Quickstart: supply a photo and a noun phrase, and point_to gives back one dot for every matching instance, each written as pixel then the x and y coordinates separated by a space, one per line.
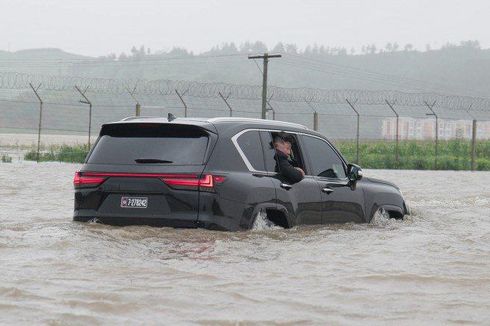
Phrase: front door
pixel 303 200
pixel 342 203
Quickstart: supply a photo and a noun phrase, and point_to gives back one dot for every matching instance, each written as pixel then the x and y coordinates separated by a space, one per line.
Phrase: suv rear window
pixel 150 143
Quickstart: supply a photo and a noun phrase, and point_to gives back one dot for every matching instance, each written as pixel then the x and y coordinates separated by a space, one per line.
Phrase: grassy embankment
pixel 418 155
pixel 60 153
pixel 6 159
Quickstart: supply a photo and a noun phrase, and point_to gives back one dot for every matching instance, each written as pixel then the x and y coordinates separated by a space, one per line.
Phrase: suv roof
pixel 214 121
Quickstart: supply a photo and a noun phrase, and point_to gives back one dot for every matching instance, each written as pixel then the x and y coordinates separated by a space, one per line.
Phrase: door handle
pixel 286 186
pixel 327 190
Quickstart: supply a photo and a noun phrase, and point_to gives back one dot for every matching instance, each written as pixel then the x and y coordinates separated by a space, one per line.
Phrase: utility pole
pixel 266 57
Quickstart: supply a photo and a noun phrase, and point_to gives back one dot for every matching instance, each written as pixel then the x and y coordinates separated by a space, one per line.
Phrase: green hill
pixel 454 69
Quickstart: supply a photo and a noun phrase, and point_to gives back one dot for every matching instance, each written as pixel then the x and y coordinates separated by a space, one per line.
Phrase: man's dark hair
pixel 282 137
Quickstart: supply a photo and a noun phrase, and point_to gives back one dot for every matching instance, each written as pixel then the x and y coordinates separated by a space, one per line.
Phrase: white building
pixel 420 129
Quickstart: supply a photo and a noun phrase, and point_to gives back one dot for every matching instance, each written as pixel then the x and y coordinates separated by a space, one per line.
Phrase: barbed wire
pixel 20 82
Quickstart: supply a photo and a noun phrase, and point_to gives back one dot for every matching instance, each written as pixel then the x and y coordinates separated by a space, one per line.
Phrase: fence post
pixel 357 132
pixel 431 106
pixel 40 119
pixel 226 102
pixel 473 138
pixel 473 146
pixel 138 106
pixel 271 109
pixel 315 115
pixel 182 100
pixel 86 101
pixel 397 155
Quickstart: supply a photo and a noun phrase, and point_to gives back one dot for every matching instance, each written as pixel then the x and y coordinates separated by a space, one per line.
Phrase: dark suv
pixel 219 174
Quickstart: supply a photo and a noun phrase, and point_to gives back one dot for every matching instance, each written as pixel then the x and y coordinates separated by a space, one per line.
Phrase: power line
pixel 343 75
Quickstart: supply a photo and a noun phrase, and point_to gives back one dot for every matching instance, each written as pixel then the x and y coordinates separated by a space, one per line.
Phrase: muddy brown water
pixel 432 268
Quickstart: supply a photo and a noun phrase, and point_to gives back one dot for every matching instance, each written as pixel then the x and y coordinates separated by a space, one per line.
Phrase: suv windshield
pixel 150 144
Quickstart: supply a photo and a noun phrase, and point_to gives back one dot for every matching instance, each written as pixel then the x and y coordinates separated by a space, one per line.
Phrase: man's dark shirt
pixel 286 169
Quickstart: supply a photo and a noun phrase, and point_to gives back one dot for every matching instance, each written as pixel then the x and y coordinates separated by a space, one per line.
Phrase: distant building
pixel 420 129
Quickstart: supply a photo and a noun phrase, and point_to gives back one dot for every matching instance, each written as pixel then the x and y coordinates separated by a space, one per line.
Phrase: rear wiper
pixel 151 160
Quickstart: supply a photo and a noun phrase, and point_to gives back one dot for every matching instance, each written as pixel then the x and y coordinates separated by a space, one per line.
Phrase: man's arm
pixel 287 170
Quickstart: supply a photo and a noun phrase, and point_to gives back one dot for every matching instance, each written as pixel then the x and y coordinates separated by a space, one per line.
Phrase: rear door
pixel 150 171
pixel 341 203
pixel 302 199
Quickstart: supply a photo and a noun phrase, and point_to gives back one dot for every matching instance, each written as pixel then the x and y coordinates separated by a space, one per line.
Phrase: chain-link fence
pixel 373 128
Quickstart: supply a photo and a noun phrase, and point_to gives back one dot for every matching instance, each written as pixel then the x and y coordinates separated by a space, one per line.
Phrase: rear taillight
pixel 206 182
pixel 192 182
pixel 81 180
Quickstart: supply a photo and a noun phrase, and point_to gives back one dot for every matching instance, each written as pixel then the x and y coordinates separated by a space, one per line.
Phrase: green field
pixel 417 155
pixel 414 155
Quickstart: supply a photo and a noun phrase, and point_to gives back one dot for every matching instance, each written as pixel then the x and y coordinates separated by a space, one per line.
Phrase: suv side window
pixel 269 151
pixel 249 143
pixel 324 161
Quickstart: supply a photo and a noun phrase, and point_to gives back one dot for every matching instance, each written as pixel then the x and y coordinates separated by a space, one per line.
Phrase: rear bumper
pixel 215 213
pixel 125 221
pixel 210 222
pixel 181 220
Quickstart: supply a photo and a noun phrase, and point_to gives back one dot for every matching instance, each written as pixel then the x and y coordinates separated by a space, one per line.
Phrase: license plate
pixel 134 202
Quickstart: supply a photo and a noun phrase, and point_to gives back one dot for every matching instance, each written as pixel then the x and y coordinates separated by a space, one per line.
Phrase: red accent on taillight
pixel 182 180
pixel 218 179
pixel 177 181
pixel 206 182
pixel 81 180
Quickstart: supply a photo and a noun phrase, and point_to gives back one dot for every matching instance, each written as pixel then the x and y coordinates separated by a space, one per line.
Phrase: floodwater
pixel 432 268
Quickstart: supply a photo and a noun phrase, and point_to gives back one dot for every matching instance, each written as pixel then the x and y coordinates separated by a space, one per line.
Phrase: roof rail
pixel 136 118
pixel 273 122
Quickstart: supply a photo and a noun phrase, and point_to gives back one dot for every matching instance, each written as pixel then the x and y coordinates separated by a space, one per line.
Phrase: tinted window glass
pixel 269 151
pixel 150 144
pixel 251 146
pixel 325 162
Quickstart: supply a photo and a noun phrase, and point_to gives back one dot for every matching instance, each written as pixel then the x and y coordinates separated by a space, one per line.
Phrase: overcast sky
pixel 103 26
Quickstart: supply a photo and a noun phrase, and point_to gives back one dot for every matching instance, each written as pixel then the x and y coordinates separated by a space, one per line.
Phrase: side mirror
pixel 354 172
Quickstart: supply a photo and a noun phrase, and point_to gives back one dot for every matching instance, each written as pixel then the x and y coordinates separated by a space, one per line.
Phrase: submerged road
pixel 432 268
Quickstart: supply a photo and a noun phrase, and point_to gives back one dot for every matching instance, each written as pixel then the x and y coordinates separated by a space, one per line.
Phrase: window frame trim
pixel 245 159
pixel 234 140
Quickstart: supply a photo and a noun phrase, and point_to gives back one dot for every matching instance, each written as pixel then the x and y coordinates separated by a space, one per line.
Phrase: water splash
pixel 263 223
pixel 381 218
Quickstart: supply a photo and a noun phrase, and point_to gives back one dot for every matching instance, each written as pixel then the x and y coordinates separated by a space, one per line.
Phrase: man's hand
pixel 300 170
pixel 283 148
